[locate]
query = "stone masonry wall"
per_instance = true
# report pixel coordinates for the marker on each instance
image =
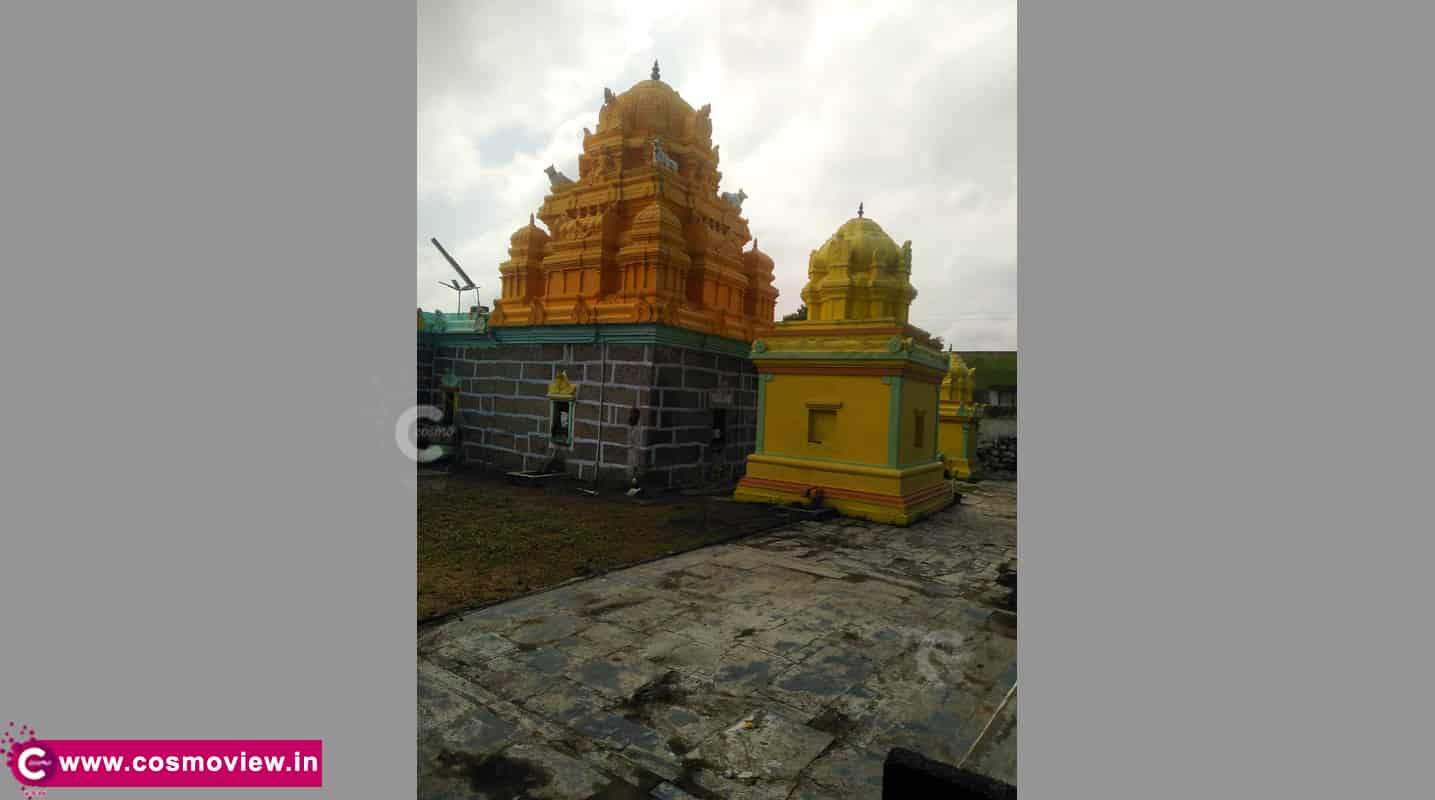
(504, 410)
(997, 456)
(427, 378)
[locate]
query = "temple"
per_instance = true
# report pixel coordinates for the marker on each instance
(634, 284)
(633, 340)
(959, 418)
(848, 398)
(642, 235)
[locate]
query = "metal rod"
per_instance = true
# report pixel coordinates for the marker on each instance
(454, 264)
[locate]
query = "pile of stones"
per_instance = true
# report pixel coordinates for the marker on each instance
(998, 457)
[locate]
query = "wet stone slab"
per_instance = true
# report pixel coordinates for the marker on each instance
(834, 641)
(619, 731)
(849, 772)
(793, 639)
(761, 746)
(724, 624)
(687, 655)
(522, 674)
(540, 630)
(995, 753)
(618, 675)
(646, 616)
(743, 670)
(939, 722)
(473, 649)
(658, 645)
(438, 702)
(525, 769)
(478, 732)
(565, 701)
(820, 679)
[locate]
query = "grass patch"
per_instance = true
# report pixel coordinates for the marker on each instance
(481, 539)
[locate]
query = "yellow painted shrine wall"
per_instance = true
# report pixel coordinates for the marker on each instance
(861, 422)
(917, 396)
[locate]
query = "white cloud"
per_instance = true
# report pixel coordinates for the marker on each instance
(448, 163)
(909, 108)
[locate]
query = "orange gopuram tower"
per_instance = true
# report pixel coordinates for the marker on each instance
(642, 235)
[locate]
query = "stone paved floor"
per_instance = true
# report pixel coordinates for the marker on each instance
(782, 666)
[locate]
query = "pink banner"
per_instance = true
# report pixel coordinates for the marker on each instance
(54, 763)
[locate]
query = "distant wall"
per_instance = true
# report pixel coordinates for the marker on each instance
(996, 428)
(997, 456)
(996, 438)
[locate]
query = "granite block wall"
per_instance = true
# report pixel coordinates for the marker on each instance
(427, 379)
(680, 396)
(997, 456)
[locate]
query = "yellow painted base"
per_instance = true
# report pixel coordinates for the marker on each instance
(959, 468)
(956, 437)
(880, 494)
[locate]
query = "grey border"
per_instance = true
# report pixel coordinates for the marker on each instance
(1206, 589)
(208, 529)
(1220, 205)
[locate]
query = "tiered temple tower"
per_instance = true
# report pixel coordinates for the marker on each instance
(642, 236)
(617, 348)
(848, 398)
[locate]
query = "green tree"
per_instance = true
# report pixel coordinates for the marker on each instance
(799, 314)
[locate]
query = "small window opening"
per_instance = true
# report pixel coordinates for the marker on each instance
(821, 425)
(561, 429)
(719, 426)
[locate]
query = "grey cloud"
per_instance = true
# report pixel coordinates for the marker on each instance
(910, 109)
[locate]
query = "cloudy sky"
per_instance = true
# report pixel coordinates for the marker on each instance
(907, 107)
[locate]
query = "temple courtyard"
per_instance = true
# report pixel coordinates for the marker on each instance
(781, 665)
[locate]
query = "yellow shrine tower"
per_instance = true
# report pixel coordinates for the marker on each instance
(848, 398)
(642, 235)
(959, 419)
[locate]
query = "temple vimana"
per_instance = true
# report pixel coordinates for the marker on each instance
(634, 341)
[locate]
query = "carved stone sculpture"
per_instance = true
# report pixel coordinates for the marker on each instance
(735, 200)
(556, 179)
(661, 158)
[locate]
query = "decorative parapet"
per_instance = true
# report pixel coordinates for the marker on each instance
(440, 322)
(638, 333)
(859, 340)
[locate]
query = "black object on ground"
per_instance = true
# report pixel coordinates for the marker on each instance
(907, 773)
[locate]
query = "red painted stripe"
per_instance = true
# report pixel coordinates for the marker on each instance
(850, 494)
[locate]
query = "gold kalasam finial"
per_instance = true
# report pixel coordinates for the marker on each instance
(655, 70)
(859, 210)
(530, 220)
